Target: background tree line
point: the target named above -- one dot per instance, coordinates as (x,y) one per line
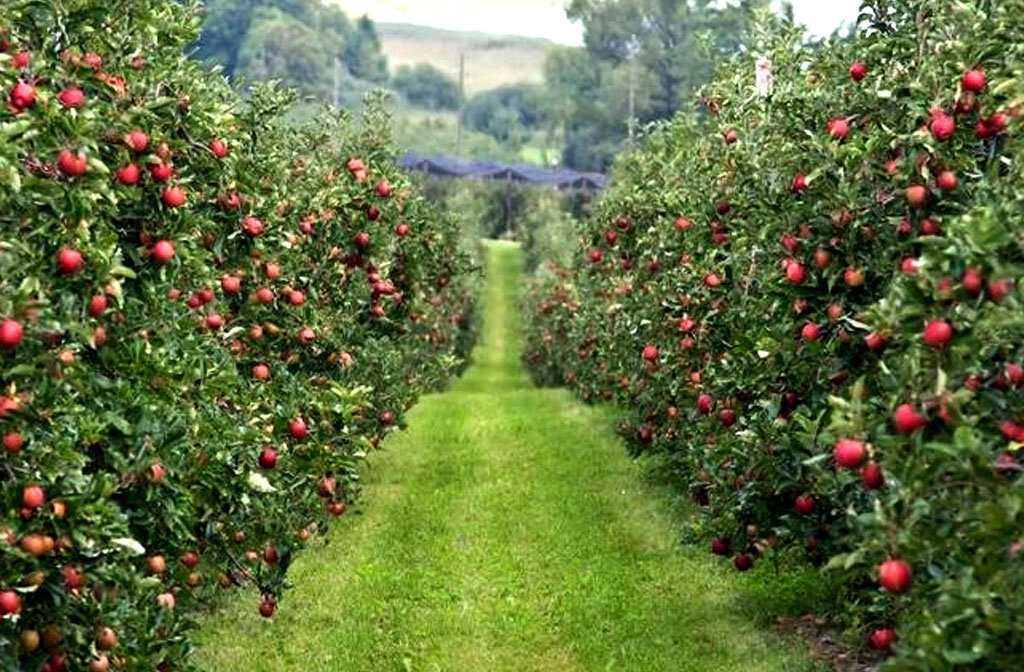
(639,62)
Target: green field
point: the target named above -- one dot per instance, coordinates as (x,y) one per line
(505,530)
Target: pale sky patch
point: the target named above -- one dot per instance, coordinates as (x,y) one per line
(546,18)
(823,16)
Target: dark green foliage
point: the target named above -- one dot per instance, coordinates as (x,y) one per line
(362,53)
(508,113)
(295,41)
(426,86)
(662,50)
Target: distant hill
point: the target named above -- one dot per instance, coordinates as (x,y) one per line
(491,60)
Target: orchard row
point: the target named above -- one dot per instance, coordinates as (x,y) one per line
(808,297)
(209,315)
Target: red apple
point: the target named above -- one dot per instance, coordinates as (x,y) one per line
(882,639)
(11,334)
(137,141)
(727,417)
(929,227)
(1012,431)
(810,332)
(22,96)
(384,189)
(650,353)
(161,171)
(214,321)
(917,196)
(106,639)
(129,175)
(296,298)
(163,252)
(907,420)
(998,290)
(937,334)
(72,98)
(268,458)
(267,607)
(361,240)
(849,453)
(720,546)
(800,183)
(1014,374)
(70,261)
(875,341)
(231,284)
(872,476)
(973,281)
(10,603)
(804,505)
(33,497)
(895,575)
(705,404)
(218,148)
(858,71)
(942,126)
(973,80)
(13,442)
(743,562)
(795,273)
(402,230)
(173,197)
(297,428)
(231,201)
(72,164)
(838,128)
(947,180)
(853,277)
(265,295)
(261,372)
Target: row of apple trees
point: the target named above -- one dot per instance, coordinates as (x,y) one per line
(807,296)
(209,316)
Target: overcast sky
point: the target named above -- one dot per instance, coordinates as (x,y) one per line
(546,18)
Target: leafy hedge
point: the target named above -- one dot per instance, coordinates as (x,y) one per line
(807,295)
(208,317)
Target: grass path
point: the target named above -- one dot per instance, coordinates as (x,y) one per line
(505,530)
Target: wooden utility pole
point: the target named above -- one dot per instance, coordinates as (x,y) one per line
(337,82)
(462,103)
(632,94)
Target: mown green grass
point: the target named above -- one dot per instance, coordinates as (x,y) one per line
(505,530)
